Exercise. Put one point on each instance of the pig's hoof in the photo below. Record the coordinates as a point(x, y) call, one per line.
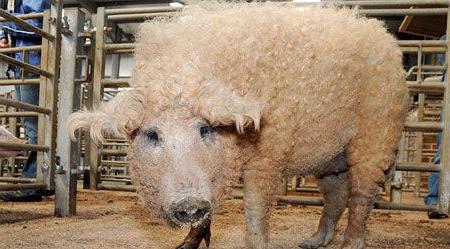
point(189, 245)
point(354, 244)
point(310, 244)
point(316, 241)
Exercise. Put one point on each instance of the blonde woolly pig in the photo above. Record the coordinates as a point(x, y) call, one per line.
point(267, 90)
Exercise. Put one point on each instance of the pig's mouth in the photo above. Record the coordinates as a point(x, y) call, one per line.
point(189, 211)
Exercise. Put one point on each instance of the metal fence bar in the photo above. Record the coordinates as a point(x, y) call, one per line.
point(25, 66)
point(137, 17)
point(20, 49)
point(107, 152)
point(403, 12)
point(115, 83)
point(18, 114)
point(422, 43)
point(17, 180)
point(13, 187)
point(96, 93)
point(126, 188)
point(423, 126)
point(393, 3)
point(421, 167)
point(65, 180)
point(24, 106)
point(426, 87)
point(20, 147)
point(444, 182)
point(19, 82)
point(120, 11)
point(11, 18)
point(25, 16)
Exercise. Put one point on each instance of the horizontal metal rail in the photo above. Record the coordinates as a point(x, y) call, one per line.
point(115, 144)
point(114, 46)
point(113, 152)
point(25, 66)
point(423, 126)
point(18, 114)
point(23, 147)
point(401, 43)
point(17, 180)
point(20, 49)
point(404, 12)
point(120, 11)
point(425, 50)
point(420, 167)
point(127, 188)
point(19, 82)
point(422, 43)
point(13, 187)
point(137, 17)
point(393, 3)
point(426, 87)
point(26, 26)
point(26, 16)
point(24, 106)
point(115, 83)
point(314, 201)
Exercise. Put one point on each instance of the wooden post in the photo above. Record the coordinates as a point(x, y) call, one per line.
point(67, 153)
point(444, 183)
point(96, 92)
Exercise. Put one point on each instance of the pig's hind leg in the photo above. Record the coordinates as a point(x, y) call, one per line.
point(334, 188)
point(197, 235)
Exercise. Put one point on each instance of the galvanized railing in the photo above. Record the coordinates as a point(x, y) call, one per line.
point(47, 79)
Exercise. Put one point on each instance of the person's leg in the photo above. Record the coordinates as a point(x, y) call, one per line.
point(27, 94)
point(433, 189)
point(30, 94)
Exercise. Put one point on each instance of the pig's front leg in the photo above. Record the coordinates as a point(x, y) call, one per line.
point(256, 204)
point(197, 235)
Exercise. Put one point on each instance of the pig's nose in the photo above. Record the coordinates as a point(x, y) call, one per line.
point(189, 210)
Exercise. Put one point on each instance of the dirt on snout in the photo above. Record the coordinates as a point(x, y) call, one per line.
point(116, 220)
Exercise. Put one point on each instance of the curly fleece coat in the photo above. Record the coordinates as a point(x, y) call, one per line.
point(314, 90)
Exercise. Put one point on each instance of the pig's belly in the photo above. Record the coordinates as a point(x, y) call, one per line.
point(313, 153)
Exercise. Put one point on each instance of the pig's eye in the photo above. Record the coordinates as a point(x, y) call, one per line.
point(206, 130)
point(152, 136)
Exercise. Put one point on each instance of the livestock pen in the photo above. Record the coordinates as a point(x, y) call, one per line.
point(85, 39)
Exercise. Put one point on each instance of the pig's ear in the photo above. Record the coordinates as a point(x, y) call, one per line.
point(222, 107)
point(120, 117)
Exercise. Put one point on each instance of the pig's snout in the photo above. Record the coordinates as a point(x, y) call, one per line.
point(189, 210)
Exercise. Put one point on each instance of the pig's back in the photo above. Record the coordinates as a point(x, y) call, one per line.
point(311, 68)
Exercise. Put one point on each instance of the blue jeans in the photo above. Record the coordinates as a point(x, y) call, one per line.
point(29, 94)
point(433, 189)
point(433, 178)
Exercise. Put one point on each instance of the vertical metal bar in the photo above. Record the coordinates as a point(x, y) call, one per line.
point(396, 183)
point(96, 91)
point(66, 176)
point(13, 129)
point(42, 164)
point(115, 58)
point(419, 145)
point(419, 64)
point(444, 183)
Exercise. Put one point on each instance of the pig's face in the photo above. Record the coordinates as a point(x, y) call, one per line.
point(180, 162)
